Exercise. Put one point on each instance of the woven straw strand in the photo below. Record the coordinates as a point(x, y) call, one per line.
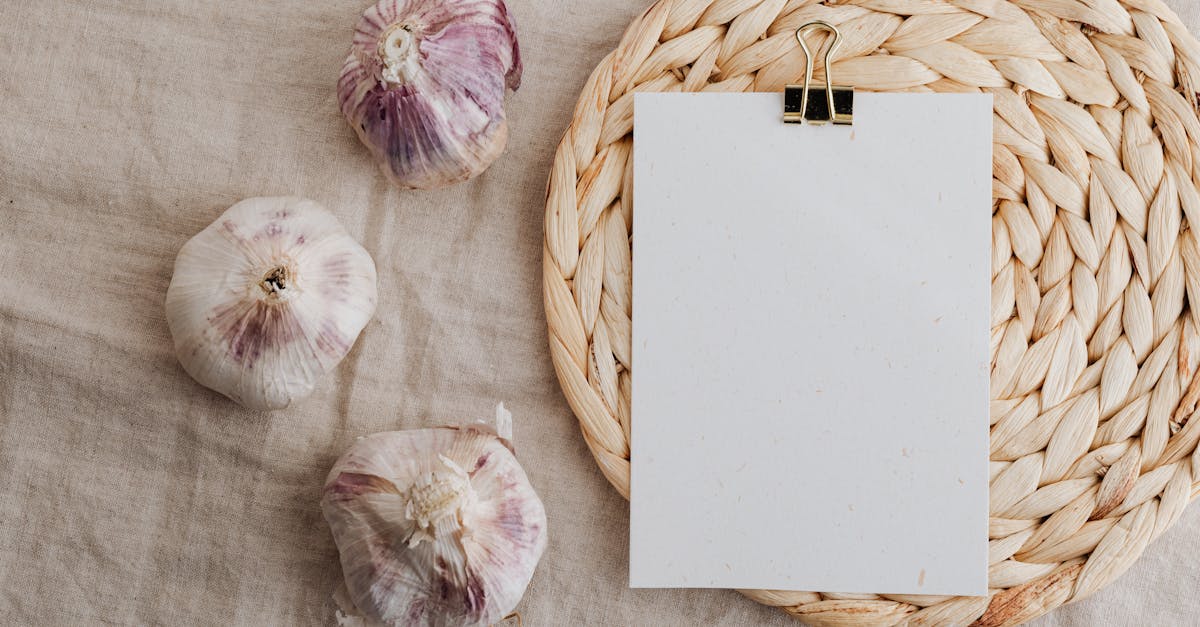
point(1095, 268)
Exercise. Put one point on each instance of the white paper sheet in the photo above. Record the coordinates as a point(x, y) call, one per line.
point(811, 334)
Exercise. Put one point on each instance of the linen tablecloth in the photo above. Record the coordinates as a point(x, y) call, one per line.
point(131, 495)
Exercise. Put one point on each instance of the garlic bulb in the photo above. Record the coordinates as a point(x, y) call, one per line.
point(434, 526)
point(424, 87)
point(267, 299)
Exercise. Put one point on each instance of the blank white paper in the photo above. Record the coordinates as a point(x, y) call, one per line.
point(811, 340)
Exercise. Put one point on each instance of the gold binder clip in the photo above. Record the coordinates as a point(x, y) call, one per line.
point(834, 103)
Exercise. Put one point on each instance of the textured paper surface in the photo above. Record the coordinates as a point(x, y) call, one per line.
point(810, 328)
point(132, 496)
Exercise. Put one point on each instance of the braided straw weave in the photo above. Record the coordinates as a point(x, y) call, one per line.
point(1095, 270)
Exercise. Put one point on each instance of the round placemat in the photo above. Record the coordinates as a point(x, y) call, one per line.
point(1095, 269)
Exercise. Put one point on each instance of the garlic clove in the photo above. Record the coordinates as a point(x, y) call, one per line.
point(434, 526)
point(423, 87)
point(267, 299)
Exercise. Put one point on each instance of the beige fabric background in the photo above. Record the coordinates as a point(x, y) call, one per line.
point(129, 494)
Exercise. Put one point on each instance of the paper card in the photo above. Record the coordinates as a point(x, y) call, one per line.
point(811, 334)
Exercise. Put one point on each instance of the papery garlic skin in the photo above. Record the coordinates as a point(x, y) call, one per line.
point(267, 299)
point(424, 87)
point(434, 526)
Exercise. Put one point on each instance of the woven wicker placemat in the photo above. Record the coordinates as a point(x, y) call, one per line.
point(1095, 269)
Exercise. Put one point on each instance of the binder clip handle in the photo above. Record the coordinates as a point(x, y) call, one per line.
point(834, 103)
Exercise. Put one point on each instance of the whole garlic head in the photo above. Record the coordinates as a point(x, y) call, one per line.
point(424, 87)
point(267, 299)
point(434, 526)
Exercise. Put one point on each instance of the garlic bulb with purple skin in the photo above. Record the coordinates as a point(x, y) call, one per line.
point(424, 87)
point(435, 526)
point(267, 299)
